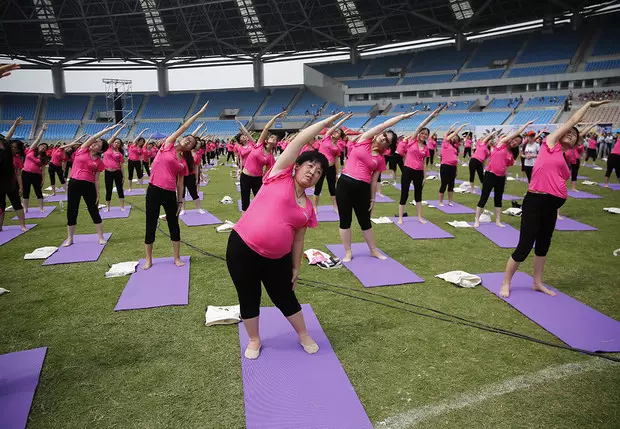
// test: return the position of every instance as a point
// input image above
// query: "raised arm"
(243, 129)
(489, 137)
(290, 154)
(6, 69)
(116, 133)
(179, 132)
(263, 134)
(36, 141)
(572, 121)
(17, 123)
(508, 137)
(451, 135)
(195, 133)
(74, 142)
(92, 139)
(587, 129)
(135, 140)
(338, 124)
(423, 124)
(384, 126)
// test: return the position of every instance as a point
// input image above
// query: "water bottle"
(62, 206)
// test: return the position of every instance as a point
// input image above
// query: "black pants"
(493, 183)
(10, 188)
(113, 178)
(68, 166)
(475, 166)
(204, 158)
(538, 219)
(157, 197)
(591, 153)
(248, 269)
(353, 195)
(448, 175)
(247, 184)
(613, 163)
(229, 155)
(342, 158)
(528, 172)
(466, 152)
(395, 160)
(134, 166)
(34, 180)
(189, 185)
(331, 181)
(415, 176)
(54, 170)
(431, 157)
(147, 167)
(574, 170)
(78, 189)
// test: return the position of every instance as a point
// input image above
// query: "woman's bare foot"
(122, 209)
(423, 221)
(178, 263)
(348, 255)
(504, 291)
(400, 221)
(476, 223)
(560, 217)
(499, 224)
(102, 241)
(68, 242)
(450, 203)
(542, 288)
(253, 350)
(42, 210)
(441, 204)
(310, 346)
(376, 254)
(147, 265)
(22, 227)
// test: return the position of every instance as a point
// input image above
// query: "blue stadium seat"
(247, 101)
(538, 70)
(308, 102)
(343, 69)
(411, 107)
(540, 116)
(170, 106)
(406, 125)
(481, 75)
(223, 128)
(550, 47)
(545, 101)
(608, 43)
(21, 133)
(279, 98)
(61, 131)
(69, 108)
(381, 66)
(14, 106)
(444, 120)
(335, 107)
(503, 103)
(421, 80)
(99, 105)
(602, 65)
(91, 129)
(369, 83)
(439, 59)
(504, 48)
(166, 128)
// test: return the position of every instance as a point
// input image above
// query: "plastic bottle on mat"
(62, 206)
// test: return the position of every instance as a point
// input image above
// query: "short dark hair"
(104, 145)
(122, 143)
(313, 156)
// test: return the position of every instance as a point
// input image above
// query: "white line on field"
(412, 417)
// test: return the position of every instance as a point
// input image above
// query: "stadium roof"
(182, 33)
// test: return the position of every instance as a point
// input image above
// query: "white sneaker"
(182, 213)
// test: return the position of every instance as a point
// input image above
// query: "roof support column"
(163, 85)
(259, 74)
(58, 81)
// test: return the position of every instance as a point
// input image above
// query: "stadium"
(423, 88)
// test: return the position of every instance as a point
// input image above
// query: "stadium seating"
(609, 114)
(545, 101)
(343, 69)
(170, 106)
(369, 83)
(247, 101)
(444, 120)
(21, 133)
(99, 105)
(406, 125)
(60, 131)
(539, 116)
(460, 105)
(481, 75)
(504, 48)
(426, 79)
(279, 98)
(503, 103)
(308, 102)
(166, 128)
(14, 106)
(439, 59)
(602, 65)
(382, 65)
(355, 123)
(550, 47)
(68, 108)
(91, 129)
(608, 42)
(223, 128)
(538, 70)
(335, 107)
(410, 107)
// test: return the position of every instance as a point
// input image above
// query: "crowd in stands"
(609, 94)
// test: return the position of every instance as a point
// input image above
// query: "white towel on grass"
(459, 224)
(382, 219)
(616, 252)
(226, 200)
(41, 253)
(9, 209)
(513, 211)
(510, 179)
(3, 291)
(462, 190)
(431, 177)
(615, 210)
(122, 269)
(485, 218)
(589, 182)
(460, 278)
(227, 226)
(229, 315)
(597, 168)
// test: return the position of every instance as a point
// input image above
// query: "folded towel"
(460, 278)
(382, 219)
(513, 211)
(616, 252)
(41, 253)
(462, 190)
(121, 269)
(510, 179)
(222, 315)
(597, 168)
(3, 291)
(322, 259)
(589, 182)
(227, 226)
(459, 224)
(615, 210)
(432, 177)
(485, 218)
(226, 200)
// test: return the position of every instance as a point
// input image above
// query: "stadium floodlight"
(251, 22)
(48, 23)
(461, 9)
(154, 23)
(352, 17)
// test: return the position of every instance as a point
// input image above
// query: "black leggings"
(613, 163)
(82, 189)
(394, 161)
(353, 194)
(33, 179)
(147, 167)
(466, 152)
(68, 169)
(528, 172)
(113, 178)
(134, 166)
(54, 170)
(493, 183)
(331, 181)
(431, 157)
(342, 158)
(248, 269)
(189, 184)
(247, 184)
(448, 175)
(574, 170)
(229, 155)
(475, 166)
(157, 197)
(540, 212)
(10, 189)
(591, 153)
(409, 175)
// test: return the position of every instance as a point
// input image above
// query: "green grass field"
(162, 368)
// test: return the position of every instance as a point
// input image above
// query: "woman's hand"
(372, 205)
(295, 277)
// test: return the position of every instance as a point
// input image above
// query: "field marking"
(414, 416)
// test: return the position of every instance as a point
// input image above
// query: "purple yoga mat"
(188, 197)
(19, 377)
(162, 285)
(205, 183)
(55, 198)
(372, 272)
(380, 198)
(287, 388)
(115, 213)
(582, 177)
(505, 197)
(135, 192)
(85, 248)
(400, 187)
(9, 232)
(571, 321)
(327, 214)
(506, 238)
(567, 224)
(455, 209)
(35, 213)
(582, 195)
(145, 181)
(194, 218)
(238, 188)
(421, 231)
(613, 186)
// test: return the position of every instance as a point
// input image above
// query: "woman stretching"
(166, 189)
(449, 161)
(613, 163)
(54, 167)
(502, 157)
(431, 144)
(468, 142)
(11, 163)
(476, 162)
(530, 153)
(357, 185)
(192, 179)
(414, 150)
(255, 157)
(32, 173)
(547, 193)
(267, 243)
(573, 157)
(134, 164)
(113, 160)
(329, 148)
(84, 182)
(592, 148)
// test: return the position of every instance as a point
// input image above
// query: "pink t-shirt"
(256, 160)
(572, 155)
(145, 153)
(431, 144)
(18, 163)
(277, 195)
(550, 171)
(592, 143)
(230, 146)
(85, 167)
(32, 164)
(361, 163)
(467, 142)
(482, 151)
(341, 145)
(197, 158)
(306, 148)
(134, 152)
(616, 149)
(211, 147)
(58, 156)
(501, 158)
(448, 154)
(166, 167)
(152, 152)
(113, 159)
(327, 148)
(414, 156)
